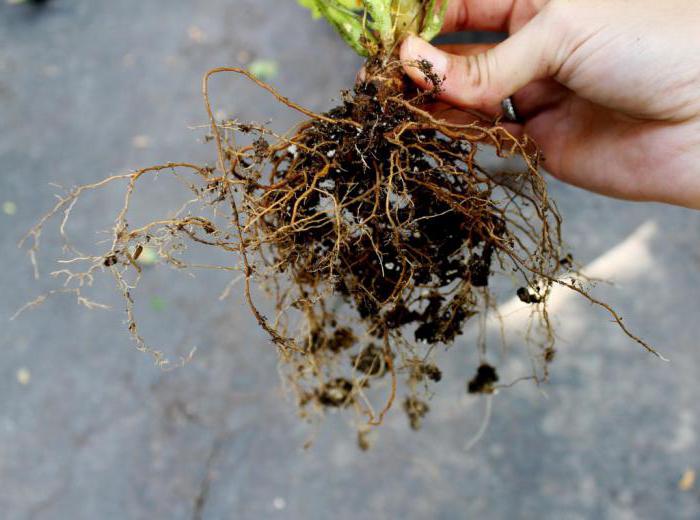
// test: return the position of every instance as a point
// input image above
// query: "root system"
(376, 228)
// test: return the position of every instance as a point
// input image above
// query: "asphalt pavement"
(91, 429)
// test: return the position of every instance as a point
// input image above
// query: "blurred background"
(90, 428)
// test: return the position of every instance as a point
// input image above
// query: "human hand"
(609, 89)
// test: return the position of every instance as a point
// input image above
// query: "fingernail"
(415, 48)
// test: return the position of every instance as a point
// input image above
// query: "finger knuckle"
(474, 73)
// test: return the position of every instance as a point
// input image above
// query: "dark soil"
(377, 208)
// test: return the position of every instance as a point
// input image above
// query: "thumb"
(484, 79)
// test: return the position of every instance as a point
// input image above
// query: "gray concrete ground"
(90, 429)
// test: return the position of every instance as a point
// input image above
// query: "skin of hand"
(609, 89)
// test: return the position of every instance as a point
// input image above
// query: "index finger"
(489, 15)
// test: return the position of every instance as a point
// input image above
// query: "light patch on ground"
(685, 433)
(687, 481)
(23, 376)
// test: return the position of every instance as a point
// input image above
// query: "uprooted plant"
(376, 227)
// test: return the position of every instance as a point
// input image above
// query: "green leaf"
(264, 70)
(158, 304)
(313, 6)
(9, 208)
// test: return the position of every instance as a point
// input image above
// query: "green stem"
(434, 20)
(350, 28)
(408, 15)
(371, 27)
(380, 11)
